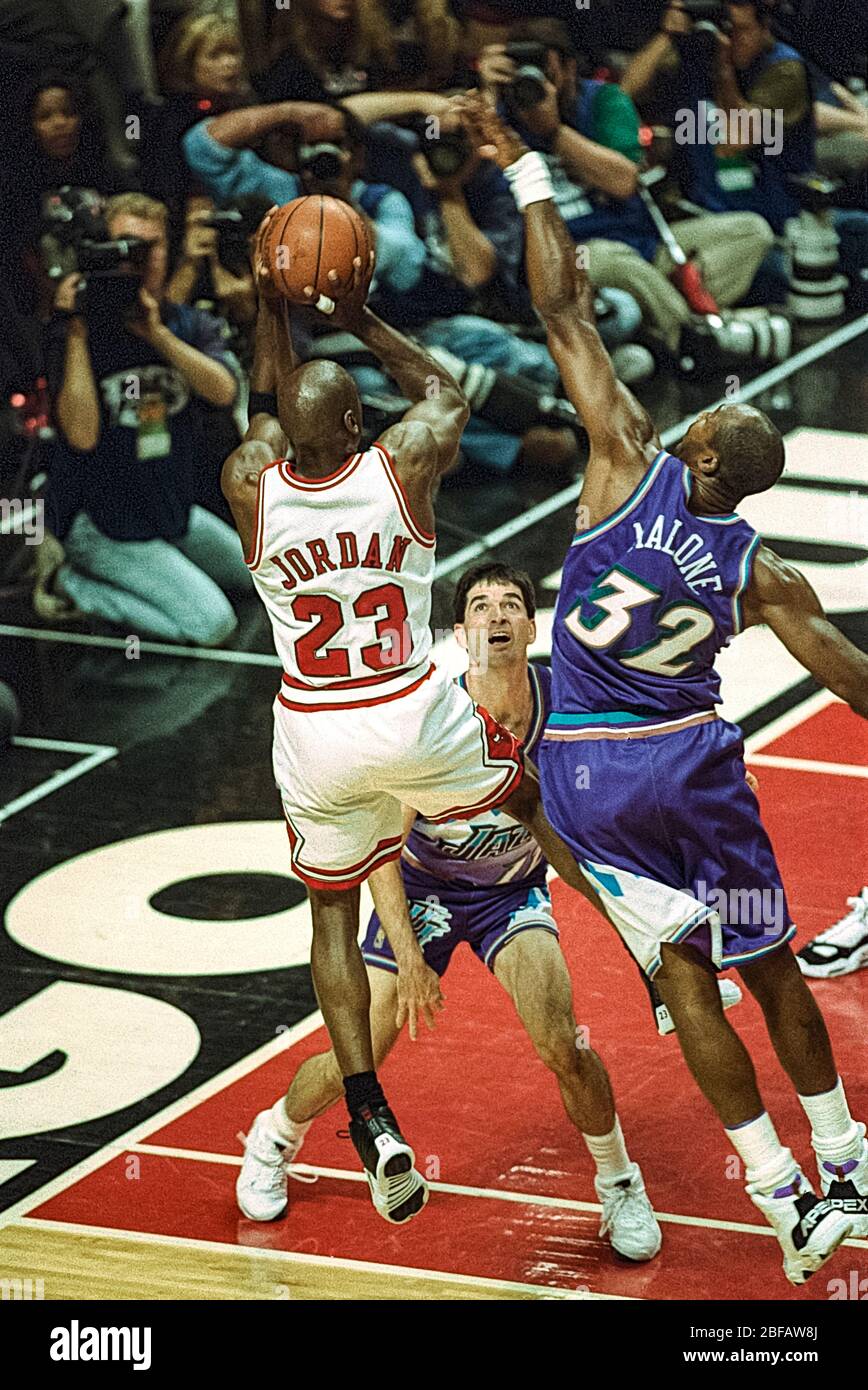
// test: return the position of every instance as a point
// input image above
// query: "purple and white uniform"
(481, 881)
(639, 775)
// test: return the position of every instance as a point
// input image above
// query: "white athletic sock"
(290, 1131)
(834, 1133)
(768, 1165)
(609, 1153)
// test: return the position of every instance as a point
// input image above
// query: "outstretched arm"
(618, 427)
(779, 595)
(264, 441)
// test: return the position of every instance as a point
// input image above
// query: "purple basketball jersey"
(647, 600)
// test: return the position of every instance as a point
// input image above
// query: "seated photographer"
(756, 81)
(138, 385)
(304, 136)
(762, 89)
(211, 238)
(589, 133)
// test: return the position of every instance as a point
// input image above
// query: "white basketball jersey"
(345, 574)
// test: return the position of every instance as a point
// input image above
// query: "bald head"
(737, 446)
(320, 409)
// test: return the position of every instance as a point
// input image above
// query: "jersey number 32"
(615, 595)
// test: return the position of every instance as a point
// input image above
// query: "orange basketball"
(307, 238)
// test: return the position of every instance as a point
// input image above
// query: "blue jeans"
(172, 590)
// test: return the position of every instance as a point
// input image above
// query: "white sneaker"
(809, 1230)
(845, 1187)
(262, 1182)
(840, 949)
(628, 1218)
(730, 994)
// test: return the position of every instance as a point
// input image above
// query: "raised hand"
(494, 139)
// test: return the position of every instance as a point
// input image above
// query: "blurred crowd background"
(144, 139)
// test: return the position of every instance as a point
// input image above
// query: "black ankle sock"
(362, 1090)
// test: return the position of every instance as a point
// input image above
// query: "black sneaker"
(397, 1191)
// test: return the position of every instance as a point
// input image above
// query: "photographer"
(744, 72)
(200, 273)
(138, 385)
(589, 134)
(218, 151)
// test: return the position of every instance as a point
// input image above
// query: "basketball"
(307, 238)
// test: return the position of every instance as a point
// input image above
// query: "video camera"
(75, 238)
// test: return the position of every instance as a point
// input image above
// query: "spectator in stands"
(60, 143)
(201, 72)
(321, 50)
(589, 133)
(135, 396)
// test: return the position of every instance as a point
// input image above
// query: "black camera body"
(711, 11)
(528, 86)
(323, 161)
(75, 238)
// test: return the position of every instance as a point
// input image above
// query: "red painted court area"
(513, 1195)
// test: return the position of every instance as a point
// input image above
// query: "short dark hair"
(553, 33)
(750, 449)
(500, 574)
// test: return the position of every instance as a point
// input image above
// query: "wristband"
(530, 180)
(261, 403)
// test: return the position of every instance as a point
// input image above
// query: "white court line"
(520, 523)
(99, 753)
(568, 494)
(86, 639)
(173, 1111)
(789, 720)
(498, 1194)
(295, 1257)
(807, 765)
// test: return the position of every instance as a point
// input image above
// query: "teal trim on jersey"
(632, 501)
(744, 573)
(607, 881)
(617, 716)
(725, 520)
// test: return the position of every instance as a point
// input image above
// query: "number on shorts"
(311, 655)
(616, 594)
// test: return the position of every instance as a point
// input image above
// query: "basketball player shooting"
(660, 576)
(340, 542)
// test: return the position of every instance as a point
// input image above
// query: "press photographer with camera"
(137, 384)
(588, 133)
(211, 237)
(727, 56)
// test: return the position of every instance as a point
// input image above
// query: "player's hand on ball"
(346, 310)
(419, 995)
